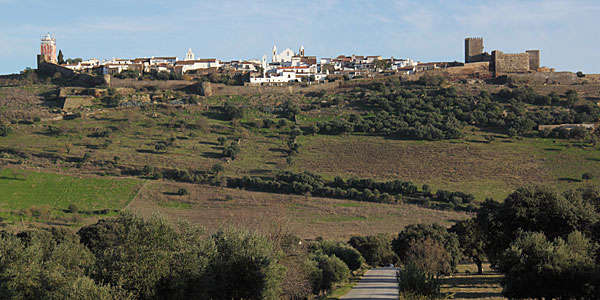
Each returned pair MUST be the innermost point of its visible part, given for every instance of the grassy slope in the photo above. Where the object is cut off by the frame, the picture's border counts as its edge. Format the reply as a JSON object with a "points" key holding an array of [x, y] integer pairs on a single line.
{"points": [[471, 164], [57, 192]]}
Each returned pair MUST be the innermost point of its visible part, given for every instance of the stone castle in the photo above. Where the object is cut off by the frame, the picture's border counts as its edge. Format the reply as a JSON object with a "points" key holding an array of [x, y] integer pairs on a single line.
{"points": [[501, 63]]}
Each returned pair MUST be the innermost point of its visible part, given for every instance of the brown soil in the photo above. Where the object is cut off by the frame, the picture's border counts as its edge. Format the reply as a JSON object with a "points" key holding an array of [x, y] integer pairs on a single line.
{"points": [[304, 216], [381, 158]]}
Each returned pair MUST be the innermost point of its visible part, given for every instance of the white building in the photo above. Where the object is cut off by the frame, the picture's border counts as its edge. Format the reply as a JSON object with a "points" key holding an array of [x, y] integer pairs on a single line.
{"points": [[86, 64], [198, 64], [285, 55], [163, 60]]}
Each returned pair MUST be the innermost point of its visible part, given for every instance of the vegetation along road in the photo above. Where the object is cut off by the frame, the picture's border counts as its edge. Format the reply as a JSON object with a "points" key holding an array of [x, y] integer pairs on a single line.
{"points": [[379, 283]]}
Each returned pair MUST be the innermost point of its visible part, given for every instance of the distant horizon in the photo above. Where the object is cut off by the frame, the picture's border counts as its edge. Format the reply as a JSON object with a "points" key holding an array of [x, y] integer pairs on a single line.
{"points": [[428, 31]]}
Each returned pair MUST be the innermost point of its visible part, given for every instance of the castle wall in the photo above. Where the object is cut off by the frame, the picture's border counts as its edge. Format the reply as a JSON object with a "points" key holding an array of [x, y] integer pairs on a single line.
{"points": [[480, 70], [72, 102], [219, 89], [534, 59], [507, 63], [160, 84]]}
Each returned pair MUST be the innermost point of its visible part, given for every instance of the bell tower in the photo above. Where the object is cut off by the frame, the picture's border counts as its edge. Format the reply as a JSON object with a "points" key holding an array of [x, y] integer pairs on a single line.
{"points": [[189, 55], [48, 49]]}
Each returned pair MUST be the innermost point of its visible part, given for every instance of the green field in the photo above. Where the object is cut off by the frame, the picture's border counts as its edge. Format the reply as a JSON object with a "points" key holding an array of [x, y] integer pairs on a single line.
{"points": [[41, 196]]}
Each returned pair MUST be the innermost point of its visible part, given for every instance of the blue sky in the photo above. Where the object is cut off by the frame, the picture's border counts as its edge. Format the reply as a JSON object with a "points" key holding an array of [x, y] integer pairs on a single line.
{"points": [[565, 31]]}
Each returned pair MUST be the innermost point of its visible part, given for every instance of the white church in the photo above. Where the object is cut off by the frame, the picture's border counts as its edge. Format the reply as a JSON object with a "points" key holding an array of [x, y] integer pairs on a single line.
{"points": [[288, 66]]}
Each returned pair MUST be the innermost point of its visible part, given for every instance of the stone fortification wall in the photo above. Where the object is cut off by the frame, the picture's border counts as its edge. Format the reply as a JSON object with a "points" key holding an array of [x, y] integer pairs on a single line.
{"points": [[141, 84], [508, 63], [562, 78], [73, 102], [219, 89], [567, 126], [74, 77], [480, 70]]}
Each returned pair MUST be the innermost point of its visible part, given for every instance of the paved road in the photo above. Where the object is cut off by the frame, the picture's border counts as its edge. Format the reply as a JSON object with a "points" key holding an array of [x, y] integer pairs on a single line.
{"points": [[377, 283]]}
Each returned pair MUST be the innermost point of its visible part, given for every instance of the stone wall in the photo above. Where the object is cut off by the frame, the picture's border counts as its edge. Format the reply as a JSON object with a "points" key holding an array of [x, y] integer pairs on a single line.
{"points": [[73, 102], [507, 63], [141, 84], [567, 126], [534, 59], [562, 78], [219, 89], [480, 70]]}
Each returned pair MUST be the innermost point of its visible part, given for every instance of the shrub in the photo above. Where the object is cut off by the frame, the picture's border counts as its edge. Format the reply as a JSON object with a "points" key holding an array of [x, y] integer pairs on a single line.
{"points": [[217, 168], [350, 256], [232, 112], [411, 279], [148, 169], [332, 270], [182, 192], [4, 130], [376, 250], [86, 157], [73, 208], [232, 150]]}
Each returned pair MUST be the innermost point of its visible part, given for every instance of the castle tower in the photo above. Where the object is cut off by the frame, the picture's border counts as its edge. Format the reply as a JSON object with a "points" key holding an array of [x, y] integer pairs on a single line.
{"points": [[189, 55], [473, 49], [48, 49]]}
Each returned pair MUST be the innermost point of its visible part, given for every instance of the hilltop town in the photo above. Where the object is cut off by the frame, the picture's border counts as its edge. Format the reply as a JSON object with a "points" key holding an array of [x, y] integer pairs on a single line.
{"points": [[288, 66]]}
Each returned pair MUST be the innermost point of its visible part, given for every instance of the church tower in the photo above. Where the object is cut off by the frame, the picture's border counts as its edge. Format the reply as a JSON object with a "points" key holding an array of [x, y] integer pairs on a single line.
{"points": [[301, 52], [275, 58], [48, 49], [189, 55], [264, 65]]}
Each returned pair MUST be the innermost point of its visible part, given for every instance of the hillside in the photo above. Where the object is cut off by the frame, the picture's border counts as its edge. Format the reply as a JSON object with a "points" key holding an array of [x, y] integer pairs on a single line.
{"points": [[469, 137]]}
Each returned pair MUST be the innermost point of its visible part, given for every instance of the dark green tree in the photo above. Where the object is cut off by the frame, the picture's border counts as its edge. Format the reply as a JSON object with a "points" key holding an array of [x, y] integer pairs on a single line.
{"points": [[131, 252], [560, 269], [245, 266], [331, 270], [4, 129], [60, 58], [376, 249], [533, 209], [350, 256], [232, 112], [48, 264], [420, 232], [471, 241]]}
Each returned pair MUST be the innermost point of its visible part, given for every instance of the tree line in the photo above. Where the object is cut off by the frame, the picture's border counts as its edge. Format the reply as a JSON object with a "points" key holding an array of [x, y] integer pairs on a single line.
{"points": [[128, 257], [361, 189], [427, 111]]}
